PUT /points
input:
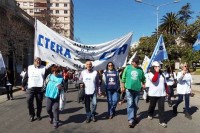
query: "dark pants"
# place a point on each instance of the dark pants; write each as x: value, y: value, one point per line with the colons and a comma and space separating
x: 88, y: 99
x: 161, y: 102
x: 147, y: 91
x: 66, y: 85
x: 38, y: 94
x: 171, y: 93
x: 9, y: 91
x: 53, y: 109
x: 187, y: 101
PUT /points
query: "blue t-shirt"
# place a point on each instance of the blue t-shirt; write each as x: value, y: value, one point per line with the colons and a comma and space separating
x: 51, y: 90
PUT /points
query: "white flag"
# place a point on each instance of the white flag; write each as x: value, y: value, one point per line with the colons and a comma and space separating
x: 145, y: 63
x: 54, y: 48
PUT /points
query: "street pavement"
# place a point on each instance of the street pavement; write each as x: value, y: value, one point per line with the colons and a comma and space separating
x: 14, y: 117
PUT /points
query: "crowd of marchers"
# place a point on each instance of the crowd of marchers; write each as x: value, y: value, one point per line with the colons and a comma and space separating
x: 116, y: 84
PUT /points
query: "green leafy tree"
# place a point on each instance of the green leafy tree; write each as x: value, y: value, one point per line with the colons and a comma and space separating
x: 185, y: 13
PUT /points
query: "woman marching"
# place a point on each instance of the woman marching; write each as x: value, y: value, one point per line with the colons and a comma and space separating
x: 112, y: 84
x: 53, y: 89
x: 157, y: 92
x: 184, y: 80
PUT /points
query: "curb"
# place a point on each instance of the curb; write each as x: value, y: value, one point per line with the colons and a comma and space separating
x: 3, y: 89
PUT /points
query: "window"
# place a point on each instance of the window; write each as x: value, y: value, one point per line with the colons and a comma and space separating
x: 25, y: 4
x: 65, y: 5
x: 36, y: 10
x: 57, y: 4
x: 65, y: 11
x: 31, y: 11
x: 57, y: 11
x: 31, y: 4
x: 51, y: 4
x: 51, y: 11
x: 65, y: 18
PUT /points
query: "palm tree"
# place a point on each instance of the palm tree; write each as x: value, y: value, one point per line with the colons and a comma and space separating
x: 170, y: 24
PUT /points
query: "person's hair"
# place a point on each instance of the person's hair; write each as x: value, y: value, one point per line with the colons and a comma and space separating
x: 183, y: 65
x: 37, y: 58
x: 55, y: 69
x: 108, y: 64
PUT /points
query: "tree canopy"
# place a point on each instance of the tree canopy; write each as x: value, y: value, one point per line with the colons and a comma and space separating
x: 179, y: 37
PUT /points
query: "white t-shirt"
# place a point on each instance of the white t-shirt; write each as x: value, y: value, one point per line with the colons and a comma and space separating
x: 157, y: 89
x: 171, y: 79
x: 89, y: 79
x: 184, y: 83
x: 36, y: 76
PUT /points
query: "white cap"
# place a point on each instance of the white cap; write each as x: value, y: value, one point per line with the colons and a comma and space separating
x: 155, y: 63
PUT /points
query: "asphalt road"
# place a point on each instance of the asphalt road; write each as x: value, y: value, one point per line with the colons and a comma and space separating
x: 14, y: 118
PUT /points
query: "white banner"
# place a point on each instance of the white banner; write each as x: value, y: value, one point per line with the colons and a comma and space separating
x: 2, y: 64
x: 145, y: 63
x: 54, y: 48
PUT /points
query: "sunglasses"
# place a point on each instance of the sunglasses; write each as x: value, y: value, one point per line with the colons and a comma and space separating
x: 110, y: 65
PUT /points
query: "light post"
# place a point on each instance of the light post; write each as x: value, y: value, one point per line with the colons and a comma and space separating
x: 157, y: 8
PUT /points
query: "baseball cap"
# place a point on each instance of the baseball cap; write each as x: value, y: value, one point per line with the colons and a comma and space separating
x: 155, y: 63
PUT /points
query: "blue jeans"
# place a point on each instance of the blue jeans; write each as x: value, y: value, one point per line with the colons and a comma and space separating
x: 187, y: 101
x: 132, y: 104
x: 112, y: 99
x: 88, y: 99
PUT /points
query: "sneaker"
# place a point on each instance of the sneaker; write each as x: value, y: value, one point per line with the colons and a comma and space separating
x: 94, y: 119
x: 88, y: 120
x: 187, y: 115
x: 39, y: 118
x: 131, y: 124
x: 56, y: 125
x: 163, y: 124
x: 110, y: 117
x: 150, y: 117
x: 31, y: 118
x: 175, y: 110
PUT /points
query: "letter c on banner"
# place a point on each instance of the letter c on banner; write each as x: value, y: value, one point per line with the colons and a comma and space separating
x: 119, y: 51
x: 104, y: 57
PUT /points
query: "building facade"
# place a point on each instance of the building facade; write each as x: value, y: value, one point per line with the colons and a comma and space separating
x: 16, y: 37
x: 56, y: 14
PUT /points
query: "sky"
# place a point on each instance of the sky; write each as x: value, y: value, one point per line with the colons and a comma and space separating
x: 99, y: 21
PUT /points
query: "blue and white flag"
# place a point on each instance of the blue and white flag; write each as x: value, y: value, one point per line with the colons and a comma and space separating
x: 196, y: 46
x: 160, y: 52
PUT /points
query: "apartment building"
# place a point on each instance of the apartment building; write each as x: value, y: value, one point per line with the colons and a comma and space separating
x: 58, y: 14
